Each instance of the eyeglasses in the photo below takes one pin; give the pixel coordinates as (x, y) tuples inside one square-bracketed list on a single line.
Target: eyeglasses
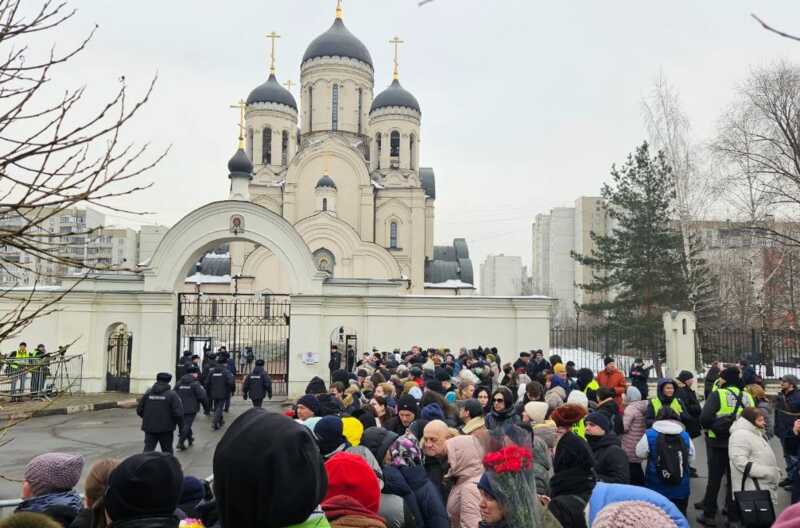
[(499, 400)]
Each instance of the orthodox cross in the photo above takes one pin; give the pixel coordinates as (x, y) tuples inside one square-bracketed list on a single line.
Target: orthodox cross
[(339, 11), (288, 84), (241, 105), (396, 41), (273, 36)]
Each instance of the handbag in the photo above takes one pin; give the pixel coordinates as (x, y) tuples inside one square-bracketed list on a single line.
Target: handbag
[(754, 506)]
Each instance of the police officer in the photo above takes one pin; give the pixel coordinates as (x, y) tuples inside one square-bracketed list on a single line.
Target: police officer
[(220, 383), (257, 384), (191, 393), (209, 361), (161, 411)]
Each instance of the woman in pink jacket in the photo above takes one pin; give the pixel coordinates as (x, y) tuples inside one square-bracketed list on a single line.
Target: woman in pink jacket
[(464, 454), (633, 421)]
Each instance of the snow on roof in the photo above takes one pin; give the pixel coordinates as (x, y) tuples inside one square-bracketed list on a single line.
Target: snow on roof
[(200, 278), (452, 283)]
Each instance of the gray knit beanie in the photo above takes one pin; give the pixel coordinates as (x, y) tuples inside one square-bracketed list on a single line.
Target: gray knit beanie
[(53, 472)]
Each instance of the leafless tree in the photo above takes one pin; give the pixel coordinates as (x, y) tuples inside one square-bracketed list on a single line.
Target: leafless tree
[(54, 156)]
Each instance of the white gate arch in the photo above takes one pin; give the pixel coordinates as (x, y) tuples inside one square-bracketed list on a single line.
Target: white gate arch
[(218, 222)]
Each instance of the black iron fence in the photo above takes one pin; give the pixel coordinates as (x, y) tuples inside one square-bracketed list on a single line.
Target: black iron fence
[(773, 353), (588, 346)]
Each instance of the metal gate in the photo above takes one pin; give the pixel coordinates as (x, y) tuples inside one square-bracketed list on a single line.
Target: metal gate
[(118, 362), (249, 326)]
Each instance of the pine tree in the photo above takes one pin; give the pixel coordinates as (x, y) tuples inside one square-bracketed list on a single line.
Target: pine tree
[(638, 269)]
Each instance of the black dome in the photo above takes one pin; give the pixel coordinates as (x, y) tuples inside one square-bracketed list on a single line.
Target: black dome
[(326, 181), (338, 42), (272, 92), (395, 95), (240, 164)]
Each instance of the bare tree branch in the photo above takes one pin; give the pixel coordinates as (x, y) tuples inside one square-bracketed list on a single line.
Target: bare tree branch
[(777, 32)]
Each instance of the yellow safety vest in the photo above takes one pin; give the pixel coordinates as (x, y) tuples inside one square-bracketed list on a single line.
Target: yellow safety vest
[(726, 407), (593, 385), (675, 405), (23, 356), (580, 428), (715, 385)]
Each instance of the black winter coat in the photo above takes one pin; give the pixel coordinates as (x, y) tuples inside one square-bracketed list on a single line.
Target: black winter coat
[(611, 462), (257, 385), (787, 410), (220, 382), (150, 522), (639, 377), (711, 376), (431, 506), (688, 398), (436, 469), (610, 410), (394, 483), (191, 393), (161, 409)]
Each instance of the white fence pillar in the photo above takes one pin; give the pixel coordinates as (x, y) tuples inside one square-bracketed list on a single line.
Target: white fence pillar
[(679, 328)]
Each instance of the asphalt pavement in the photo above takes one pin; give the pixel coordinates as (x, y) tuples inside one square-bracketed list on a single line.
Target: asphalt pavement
[(116, 433)]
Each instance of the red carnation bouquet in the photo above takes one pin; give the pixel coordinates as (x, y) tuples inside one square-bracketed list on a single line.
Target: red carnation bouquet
[(510, 472)]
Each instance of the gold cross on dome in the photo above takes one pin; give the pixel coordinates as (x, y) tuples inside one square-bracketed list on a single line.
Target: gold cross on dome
[(339, 10), (273, 36), (241, 105), (288, 84), (396, 41)]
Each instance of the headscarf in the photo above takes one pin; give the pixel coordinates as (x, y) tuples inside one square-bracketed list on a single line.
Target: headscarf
[(405, 451)]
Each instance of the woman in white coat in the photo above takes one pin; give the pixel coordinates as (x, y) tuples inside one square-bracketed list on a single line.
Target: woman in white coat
[(748, 444)]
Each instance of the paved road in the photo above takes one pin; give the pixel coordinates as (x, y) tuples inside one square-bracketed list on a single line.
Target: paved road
[(116, 433)]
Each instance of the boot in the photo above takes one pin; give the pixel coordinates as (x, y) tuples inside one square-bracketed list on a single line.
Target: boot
[(191, 441), (706, 521), (181, 446)]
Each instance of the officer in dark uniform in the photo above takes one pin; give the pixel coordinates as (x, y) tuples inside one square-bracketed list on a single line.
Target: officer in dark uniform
[(191, 393), (257, 384), (336, 359), (220, 382), (161, 411), (209, 361)]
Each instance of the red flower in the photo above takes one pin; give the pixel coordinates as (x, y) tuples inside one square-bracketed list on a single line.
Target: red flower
[(510, 459)]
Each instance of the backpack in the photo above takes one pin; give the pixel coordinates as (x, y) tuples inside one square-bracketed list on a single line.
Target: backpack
[(672, 458), (722, 425)]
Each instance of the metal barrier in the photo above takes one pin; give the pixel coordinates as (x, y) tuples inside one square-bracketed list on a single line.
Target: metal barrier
[(40, 378)]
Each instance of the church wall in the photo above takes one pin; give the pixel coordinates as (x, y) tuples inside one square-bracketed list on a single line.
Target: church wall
[(407, 208), (405, 121), (321, 74), (348, 190), (260, 119)]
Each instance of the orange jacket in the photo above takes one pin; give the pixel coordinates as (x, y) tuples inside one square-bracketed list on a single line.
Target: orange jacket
[(615, 380)]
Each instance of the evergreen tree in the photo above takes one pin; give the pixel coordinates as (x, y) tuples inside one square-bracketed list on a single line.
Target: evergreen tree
[(638, 269)]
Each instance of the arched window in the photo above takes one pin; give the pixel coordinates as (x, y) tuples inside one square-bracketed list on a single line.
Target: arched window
[(266, 146), (335, 108), (310, 108), (249, 146), (324, 204), (394, 143), (285, 147), (360, 107), (393, 235), (411, 142), (378, 148)]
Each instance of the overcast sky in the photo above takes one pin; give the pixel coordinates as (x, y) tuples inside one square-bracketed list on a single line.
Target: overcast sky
[(526, 104)]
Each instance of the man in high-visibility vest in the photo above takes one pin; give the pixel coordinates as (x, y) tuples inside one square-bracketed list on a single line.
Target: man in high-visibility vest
[(665, 397), (728, 399), (18, 363)]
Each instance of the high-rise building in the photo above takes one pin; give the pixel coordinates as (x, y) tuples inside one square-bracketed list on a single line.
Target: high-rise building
[(149, 238), (502, 275)]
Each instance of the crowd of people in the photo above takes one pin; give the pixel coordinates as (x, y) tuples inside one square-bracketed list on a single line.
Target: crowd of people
[(430, 439)]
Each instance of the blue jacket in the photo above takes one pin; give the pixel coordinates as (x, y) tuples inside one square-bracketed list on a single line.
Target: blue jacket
[(678, 491), (787, 410), (557, 381), (605, 494), (429, 501)]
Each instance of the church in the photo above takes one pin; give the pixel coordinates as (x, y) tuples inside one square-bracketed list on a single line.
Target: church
[(343, 168)]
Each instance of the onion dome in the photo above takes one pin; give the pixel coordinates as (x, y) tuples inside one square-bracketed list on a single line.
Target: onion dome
[(338, 42), (272, 92), (395, 95), (240, 165), (326, 181)]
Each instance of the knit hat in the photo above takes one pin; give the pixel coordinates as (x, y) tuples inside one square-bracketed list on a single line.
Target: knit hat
[(473, 408), (732, 376), (352, 428), (435, 385), (405, 451), (791, 379), (328, 405), (555, 397), (432, 411), (259, 362), (330, 434), (310, 402), (751, 414), (52, 472), (485, 485), (316, 386), (684, 375), (633, 394), (350, 475), (578, 397), (193, 490), (632, 514), (599, 420), (442, 374), (407, 402), (536, 411), (559, 368), (607, 360), (789, 518), (164, 377), (131, 485), (568, 415)]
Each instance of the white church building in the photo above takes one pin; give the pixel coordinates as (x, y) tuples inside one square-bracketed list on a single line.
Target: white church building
[(327, 242)]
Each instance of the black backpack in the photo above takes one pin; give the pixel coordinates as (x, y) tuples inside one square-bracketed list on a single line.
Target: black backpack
[(672, 458)]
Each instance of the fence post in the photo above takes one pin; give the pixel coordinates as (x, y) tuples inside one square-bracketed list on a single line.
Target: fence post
[(679, 330)]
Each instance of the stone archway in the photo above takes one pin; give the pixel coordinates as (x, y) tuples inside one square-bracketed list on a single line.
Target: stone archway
[(227, 221)]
